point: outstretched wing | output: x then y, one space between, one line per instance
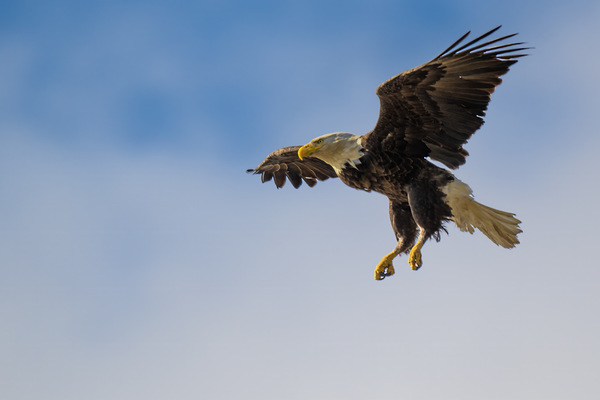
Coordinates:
432 110
285 162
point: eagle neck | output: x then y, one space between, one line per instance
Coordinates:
345 150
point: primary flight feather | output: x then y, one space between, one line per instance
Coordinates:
428 111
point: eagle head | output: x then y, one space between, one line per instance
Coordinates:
336 149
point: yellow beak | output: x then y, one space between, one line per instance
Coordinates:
305 151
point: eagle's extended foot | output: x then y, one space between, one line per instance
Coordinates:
385 267
414 258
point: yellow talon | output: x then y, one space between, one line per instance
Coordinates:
385 267
414 259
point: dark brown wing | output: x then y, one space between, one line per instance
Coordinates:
432 110
285 162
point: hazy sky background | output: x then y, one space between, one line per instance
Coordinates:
139 261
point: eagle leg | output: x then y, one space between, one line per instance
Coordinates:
385 267
405 232
414 258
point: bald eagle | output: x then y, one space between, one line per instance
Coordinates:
428 111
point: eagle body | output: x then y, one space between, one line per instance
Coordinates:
427 112
414 189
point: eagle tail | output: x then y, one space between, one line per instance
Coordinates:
500 227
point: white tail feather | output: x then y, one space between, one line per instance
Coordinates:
500 227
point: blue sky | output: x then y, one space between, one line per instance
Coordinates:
138 260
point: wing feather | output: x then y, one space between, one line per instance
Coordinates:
294 175
279 177
285 163
434 109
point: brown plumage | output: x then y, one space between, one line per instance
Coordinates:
428 111
284 163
